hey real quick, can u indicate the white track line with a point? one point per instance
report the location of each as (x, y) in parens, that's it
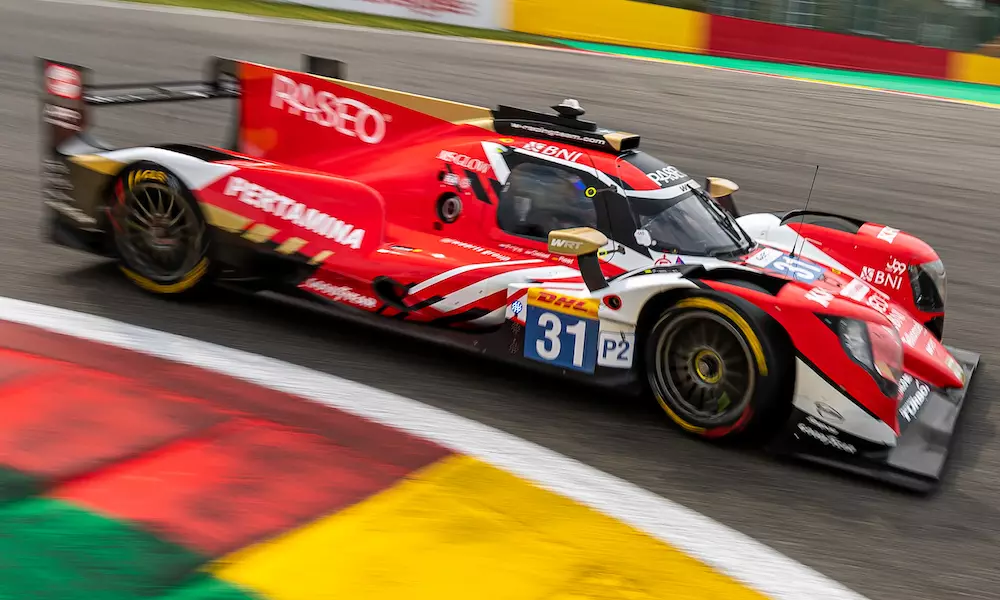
(200, 12)
(725, 549)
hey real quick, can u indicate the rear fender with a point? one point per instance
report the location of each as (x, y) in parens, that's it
(325, 217)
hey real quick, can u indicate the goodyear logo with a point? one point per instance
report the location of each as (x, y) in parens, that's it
(136, 177)
(581, 307)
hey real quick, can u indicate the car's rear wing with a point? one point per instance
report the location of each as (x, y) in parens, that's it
(68, 94)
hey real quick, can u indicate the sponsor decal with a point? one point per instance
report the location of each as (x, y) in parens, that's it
(71, 211)
(821, 425)
(136, 177)
(858, 291)
(54, 175)
(912, 335)
(774, 260)
(828, 412)
(63, 82)
(668, 260)
(888, 234)
(855, 290)
(615, 349)
(666, 175)
(559, 134)
(891, 276)
(339, 293)
(827, 439)
(955, 368)
(643, 238)
(456, 181)
(897, 319)
(820, 296)
(516, 307)
(911, 397)
(561, 330)
(529, 251)
(66, 118)
(930, 347)
(432, 7)
(571, 305)
(553, 151)
(347, 116)
(464, 161)
(764, 257)
(475, 248)
(567, 244)
(309, 219)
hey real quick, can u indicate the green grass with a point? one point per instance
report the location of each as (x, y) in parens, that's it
(309, 13)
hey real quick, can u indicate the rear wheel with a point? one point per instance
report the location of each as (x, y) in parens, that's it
(161, 237)
(718, 371)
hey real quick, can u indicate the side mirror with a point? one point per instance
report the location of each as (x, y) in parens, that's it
(722, 191)
(583, 243)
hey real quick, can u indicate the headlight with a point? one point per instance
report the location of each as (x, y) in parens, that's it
(929, 285)
(877, 349)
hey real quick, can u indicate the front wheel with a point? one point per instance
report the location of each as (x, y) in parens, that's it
(161, 237)
(717, 371)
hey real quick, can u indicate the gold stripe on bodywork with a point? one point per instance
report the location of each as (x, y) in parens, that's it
(435, 107)
(98, 163)
(260, 233)
(224, 219)
(291, 245)
(319, 258)
(486, 124)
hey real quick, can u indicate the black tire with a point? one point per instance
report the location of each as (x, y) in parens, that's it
(159, 232)
(703, 351)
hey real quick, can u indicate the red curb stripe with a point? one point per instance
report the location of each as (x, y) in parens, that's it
(384, 444)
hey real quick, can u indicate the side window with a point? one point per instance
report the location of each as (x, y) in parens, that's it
(540, 198)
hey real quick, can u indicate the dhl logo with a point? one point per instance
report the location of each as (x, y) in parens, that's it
(146, 175)
(570, 305)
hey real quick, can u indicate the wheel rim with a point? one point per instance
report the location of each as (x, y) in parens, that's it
(159, 234)
(704, 366)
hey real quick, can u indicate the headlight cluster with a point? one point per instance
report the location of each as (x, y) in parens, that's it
(877, 349)
(929, 285)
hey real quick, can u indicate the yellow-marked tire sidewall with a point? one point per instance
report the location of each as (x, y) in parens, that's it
(763, 359)
(187, 283)
(199, 274)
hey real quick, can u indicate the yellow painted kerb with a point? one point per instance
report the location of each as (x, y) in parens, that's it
(973, 68)
(623, 22)
(463, 529)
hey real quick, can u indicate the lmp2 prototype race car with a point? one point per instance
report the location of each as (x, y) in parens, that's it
(534, 237)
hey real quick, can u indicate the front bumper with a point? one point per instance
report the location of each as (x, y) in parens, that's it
(918, 460)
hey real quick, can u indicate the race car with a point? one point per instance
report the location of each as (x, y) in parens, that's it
(533, 237)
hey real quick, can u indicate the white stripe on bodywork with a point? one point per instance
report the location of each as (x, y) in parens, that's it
(811, 388)
(194, 172)
(465, 269)
(494, 154)
(499, 282)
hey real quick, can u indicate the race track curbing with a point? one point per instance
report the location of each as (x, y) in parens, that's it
(125, 474)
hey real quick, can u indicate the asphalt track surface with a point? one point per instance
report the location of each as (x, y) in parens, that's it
(926, 166)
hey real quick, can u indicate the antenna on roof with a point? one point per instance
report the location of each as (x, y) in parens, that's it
(802, 218)
(569, 108)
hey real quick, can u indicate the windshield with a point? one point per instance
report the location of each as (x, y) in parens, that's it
(690, 224)
(680, 217)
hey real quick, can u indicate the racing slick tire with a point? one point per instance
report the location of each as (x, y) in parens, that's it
(720, 368)
(160, 235)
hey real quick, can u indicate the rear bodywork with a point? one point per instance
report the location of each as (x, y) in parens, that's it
(387, 207)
